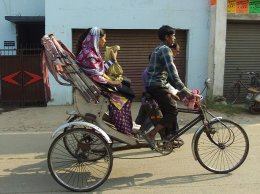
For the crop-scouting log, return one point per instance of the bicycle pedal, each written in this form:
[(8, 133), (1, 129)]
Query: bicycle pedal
[(177, 143), (164, 147)]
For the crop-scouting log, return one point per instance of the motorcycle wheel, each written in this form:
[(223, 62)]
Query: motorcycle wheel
[(254, 110)]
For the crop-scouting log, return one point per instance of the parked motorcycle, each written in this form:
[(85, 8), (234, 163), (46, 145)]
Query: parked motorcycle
[(253, 100), (253, 95)]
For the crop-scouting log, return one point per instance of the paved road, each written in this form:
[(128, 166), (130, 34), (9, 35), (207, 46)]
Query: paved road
[(23, 167)]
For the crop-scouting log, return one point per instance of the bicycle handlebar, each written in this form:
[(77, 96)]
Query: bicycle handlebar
[(251, 73), (198, 96)]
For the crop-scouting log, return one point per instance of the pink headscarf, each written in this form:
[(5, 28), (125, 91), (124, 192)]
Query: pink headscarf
[(89, 58)]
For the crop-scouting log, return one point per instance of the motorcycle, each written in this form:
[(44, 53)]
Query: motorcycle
[(253, 95), (253, 100)]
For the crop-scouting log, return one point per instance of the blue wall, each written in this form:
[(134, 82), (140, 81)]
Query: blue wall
[(63, 16)]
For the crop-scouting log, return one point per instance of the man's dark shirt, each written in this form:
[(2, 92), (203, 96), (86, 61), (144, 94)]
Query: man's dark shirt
[(162, 70)]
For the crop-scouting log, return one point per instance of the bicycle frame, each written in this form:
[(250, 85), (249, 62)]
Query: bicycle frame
[(200, 118), (241, 84), (192, 123), (253, 79)]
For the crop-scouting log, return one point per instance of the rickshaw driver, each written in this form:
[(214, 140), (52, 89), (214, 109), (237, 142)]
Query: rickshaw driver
[(162, 70)]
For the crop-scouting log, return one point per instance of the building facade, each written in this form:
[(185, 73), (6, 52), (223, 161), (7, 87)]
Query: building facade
[(203, 31), (22, 26)]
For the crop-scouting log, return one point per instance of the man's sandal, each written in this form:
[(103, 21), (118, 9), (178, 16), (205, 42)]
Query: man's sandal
[(177, 142)]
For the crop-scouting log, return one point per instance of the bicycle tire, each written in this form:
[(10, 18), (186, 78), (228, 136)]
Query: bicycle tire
[(218, 148), (233, 93), (84, 171)]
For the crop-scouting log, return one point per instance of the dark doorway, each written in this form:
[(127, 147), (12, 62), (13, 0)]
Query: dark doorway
[(29, 35)]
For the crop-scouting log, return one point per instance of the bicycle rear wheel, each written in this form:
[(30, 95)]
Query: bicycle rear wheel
[(233, 93), (222, 147), (74, 119), (85, 165)]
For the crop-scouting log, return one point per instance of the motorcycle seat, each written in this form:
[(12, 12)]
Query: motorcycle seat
[(254, 89)]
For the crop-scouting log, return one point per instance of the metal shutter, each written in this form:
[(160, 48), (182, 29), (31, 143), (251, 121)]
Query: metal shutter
[(242, 53), (136, 45)]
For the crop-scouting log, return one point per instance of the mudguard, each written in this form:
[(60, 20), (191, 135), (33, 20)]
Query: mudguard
[(61, 128), (196, 134)]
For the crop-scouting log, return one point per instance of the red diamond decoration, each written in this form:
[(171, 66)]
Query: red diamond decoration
[(10, 80), (34, 77)]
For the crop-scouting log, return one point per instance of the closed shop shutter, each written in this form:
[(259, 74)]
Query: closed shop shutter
[(242, 53), (136, 45)]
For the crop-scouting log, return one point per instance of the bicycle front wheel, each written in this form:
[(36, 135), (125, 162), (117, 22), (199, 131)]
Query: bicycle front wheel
[(233, 93), (85, 165), (222, 147)]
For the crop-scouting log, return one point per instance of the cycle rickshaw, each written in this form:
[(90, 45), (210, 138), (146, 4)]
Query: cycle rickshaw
[(80, 157)]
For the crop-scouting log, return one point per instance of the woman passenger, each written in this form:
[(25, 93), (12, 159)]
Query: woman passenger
[(90, 61)]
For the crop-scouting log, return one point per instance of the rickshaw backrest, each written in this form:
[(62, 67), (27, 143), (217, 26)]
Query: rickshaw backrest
[(62, 65)]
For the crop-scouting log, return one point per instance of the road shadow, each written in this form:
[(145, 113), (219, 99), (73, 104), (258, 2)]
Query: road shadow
[(8, 107), (31, 178), (35, 178), (139, 180), (141, 153), (4, 109)]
